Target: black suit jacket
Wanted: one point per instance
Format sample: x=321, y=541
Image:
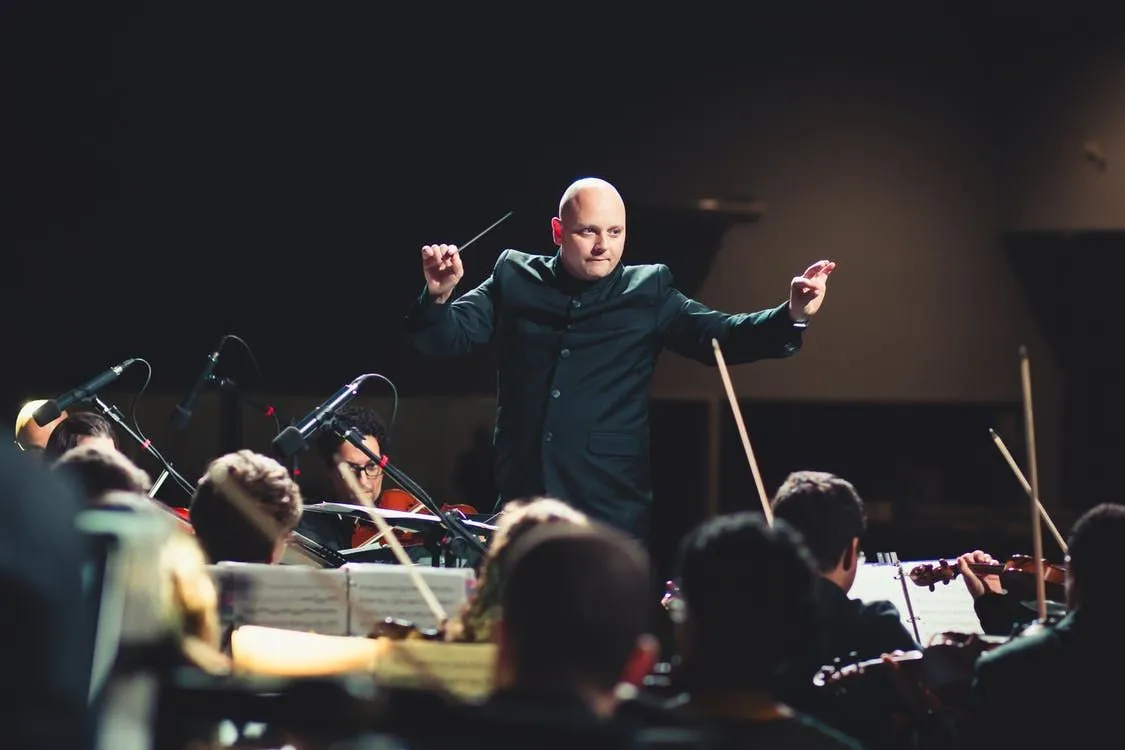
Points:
x=1056, y=687
x=576, y=361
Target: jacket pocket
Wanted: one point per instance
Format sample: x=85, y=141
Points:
x=615, y=444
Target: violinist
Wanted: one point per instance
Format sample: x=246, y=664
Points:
x=337, y=531
x=728, y=660
x=475, y=622
x=224, y=530
x=1053, y=686
x=98, y=470
x=828, y=513
x=999, y=612
x=573, y=628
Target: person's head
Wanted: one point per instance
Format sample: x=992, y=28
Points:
x=575, y=610
x=332, y=450
x=80, y=428
x=517, y=519
x=226, y=528
x=29, y=434
x=99, y=470
x=722, y=561
x=590, y=229
x=828, y=513
x=1095, y=542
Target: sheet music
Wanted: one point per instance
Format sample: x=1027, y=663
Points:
x=465, y=669
x=946, y=608
x=379, y=590
x=294, y=597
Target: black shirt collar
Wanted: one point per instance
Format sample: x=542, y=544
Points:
x=578, y=287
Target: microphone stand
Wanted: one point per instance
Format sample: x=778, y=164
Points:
x=229, y=386
x=449, y=520
x=114, y=414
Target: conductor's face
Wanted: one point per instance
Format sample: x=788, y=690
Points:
x=590, y=231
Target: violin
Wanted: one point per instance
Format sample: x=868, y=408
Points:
x=1017, y=575
x=404, y=502
x=942, y=672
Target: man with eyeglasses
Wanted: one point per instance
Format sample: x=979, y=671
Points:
x=336, y=531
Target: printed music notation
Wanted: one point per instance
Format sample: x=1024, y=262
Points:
x=378, y=591
x=334, y=601
x=945, y=609
x=464, y=669
x=283, y=596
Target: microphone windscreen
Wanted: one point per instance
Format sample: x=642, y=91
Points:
x=47, y=413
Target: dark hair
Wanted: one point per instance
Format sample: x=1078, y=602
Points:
x=723, y=563
x=825, y=509
x=223, y=528
x=575, y=603
x=99, y=471
x=77, y=425
x=364, y=420
x=1095, y=545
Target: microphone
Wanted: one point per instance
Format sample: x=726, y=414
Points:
x=294, y=438
x=53, y=409
x=182, y=413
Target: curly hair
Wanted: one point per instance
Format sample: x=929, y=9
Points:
x=474, y=623
x=224, y=530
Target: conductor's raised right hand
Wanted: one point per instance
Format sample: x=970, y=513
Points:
x=441, y=265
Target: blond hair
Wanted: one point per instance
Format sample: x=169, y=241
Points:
x=474, y=623
x=26, y=412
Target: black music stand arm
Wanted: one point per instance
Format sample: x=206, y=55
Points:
x=114, y=414
x=449, y=520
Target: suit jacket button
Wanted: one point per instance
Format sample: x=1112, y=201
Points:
x=548, y=437
x=555, y=393
x=564, y=353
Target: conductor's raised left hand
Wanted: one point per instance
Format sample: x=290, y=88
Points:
x=806, y=292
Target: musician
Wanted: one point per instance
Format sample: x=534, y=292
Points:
x=80, y=428
x=728, y=659
x=475, y=622
x=828, y=513
x=30, y=436
x=333, y=530
x=99, y=470
x=228, y=531
x=1054, y=685
x=999, y=612
x=574, y=626
x=579, y=337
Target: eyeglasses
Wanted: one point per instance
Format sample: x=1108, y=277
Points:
x=371, y=469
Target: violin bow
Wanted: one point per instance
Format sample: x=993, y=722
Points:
x=364, y=498
x=373, y=540
x=742, y=430
x=1027, y=488
x=1036, y=527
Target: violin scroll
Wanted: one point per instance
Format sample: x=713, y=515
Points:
x=1016, y=573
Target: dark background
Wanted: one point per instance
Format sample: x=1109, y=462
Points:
x=171, y=175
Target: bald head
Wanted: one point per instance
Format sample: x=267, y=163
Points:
x=590, y=228
x=30, y=434
x=585, y=190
